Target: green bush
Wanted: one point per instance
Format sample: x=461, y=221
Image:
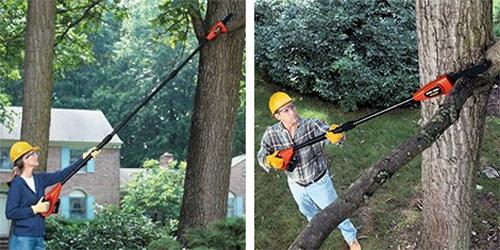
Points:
x=157, y=193
x=111, y=229
x=166, y=243
x=223, y=234
x=355, y=53
x=496, y=18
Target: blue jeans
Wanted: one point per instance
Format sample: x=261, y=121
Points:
x=26, y=243
x=317, y=196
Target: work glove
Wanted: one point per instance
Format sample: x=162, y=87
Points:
x=332, y=137
x=41, y=206
x=274, y=160
x=92, y=152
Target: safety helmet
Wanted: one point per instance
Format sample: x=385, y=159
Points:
x=20, y=148
x=278, y=100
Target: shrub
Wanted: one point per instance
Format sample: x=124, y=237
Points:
x=111, y=229
x=223, y=234
x=355, y=53
x=166, y=243
x=157, y=193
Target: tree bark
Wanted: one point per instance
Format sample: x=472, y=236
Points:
x=325, y=221
x=451, y=35
x=38, y=76
x=216, y=101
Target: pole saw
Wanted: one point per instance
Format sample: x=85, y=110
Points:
x=53, y=195
x=440, y=86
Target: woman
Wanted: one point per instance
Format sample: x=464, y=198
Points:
x=25, y=196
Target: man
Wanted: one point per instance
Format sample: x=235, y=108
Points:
x=309, y=182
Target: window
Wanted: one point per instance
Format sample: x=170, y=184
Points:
x=231, y=205
x=77, y=205
x=5, y=163
x=74, y=156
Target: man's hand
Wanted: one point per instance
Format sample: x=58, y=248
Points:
x=274, y=160
x=334, y=138
x=41, y=206
x=93, y=152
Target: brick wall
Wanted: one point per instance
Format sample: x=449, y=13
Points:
x=237, y=180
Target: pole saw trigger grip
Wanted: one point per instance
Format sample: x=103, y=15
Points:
x=219, y=27
x=53, y=198
x=286, y=155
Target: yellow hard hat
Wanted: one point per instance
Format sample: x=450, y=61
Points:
x=278, y=100
x=20, y=148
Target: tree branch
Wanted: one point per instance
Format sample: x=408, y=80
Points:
x=77, y=21
x=196, y=19
x=316, y=231
x=13, y=38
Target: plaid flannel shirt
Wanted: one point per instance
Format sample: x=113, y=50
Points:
x=311, y=160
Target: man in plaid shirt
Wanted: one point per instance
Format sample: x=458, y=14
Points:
x=309, y=182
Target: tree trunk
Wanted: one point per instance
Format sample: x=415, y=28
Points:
x=216, y=100
x=451, y=35
x=38, y=79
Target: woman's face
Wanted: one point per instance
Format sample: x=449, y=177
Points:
x=31, y=159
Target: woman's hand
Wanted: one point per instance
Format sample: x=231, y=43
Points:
x=93, y=152
x=41, y=206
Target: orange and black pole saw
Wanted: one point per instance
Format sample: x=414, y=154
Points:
x=440, y=86
x=53, y=195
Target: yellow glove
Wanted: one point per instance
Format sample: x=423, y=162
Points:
x=93, y=152
x=41, y=206
x=274, y=161
x=334, y=138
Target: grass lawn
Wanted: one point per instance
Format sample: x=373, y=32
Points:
x=391, y=217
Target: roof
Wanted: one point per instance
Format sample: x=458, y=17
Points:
x=127, y=173
x=68, y=125
x=237, y=159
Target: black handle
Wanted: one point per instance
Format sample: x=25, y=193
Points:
x=344, y=127
x=292, y=164
x=227, y=18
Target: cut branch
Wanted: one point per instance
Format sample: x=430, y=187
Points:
x=325, y=221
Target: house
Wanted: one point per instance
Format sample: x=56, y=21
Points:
x=236, y=196
x=72, y=132
x=236, y=199
x=4, y=223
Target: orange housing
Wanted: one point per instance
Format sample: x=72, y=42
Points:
x=53, y=198
x=442, y=85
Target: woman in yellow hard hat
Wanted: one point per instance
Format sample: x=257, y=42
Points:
x=25, y=196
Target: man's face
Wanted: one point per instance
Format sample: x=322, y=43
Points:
x=288, y=114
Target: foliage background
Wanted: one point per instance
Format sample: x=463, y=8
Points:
x=110, y=61
x=354, y=53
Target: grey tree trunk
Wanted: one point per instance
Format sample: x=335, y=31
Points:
x=38, y=78
x=216, y=101
x=451, y=35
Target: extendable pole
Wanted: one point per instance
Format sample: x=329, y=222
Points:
x=442, y=85
x=218, y=28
